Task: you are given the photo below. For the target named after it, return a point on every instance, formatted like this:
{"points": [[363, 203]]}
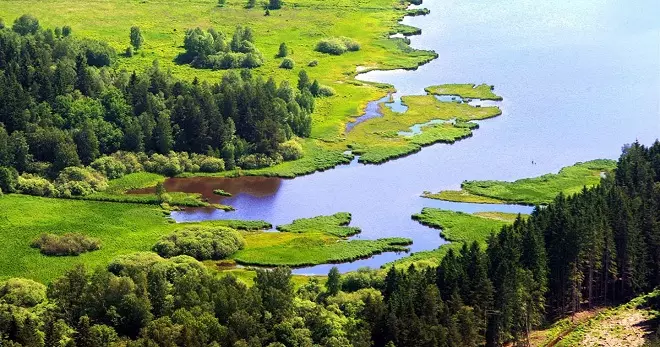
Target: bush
{"points": [[211, 164], [326, 91], [22, 292], [337, 46], [8, 179], [78, 181], [255, 161], [130, 161], [313, 63], [291, 150], [129, 51], [287, 63], [67, 244], [111, 167], [200, 243], [34, 185]]}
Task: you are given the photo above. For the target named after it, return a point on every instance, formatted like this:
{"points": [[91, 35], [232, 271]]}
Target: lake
{"points": [[579, 79]]}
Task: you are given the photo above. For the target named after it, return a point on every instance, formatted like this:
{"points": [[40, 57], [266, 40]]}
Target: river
{"points": [[579, 79]]}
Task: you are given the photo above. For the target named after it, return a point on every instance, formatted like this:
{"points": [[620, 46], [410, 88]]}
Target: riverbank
{"points": [[530, 191]]}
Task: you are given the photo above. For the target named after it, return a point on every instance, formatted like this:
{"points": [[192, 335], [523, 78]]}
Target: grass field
{"points": [[531, 191], [465, 91], [456, 227]]}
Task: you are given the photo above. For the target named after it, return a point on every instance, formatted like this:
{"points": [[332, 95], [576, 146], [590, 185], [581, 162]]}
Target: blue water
{"points": [[579, 79]]}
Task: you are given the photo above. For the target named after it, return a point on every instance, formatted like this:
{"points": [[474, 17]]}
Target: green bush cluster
{"points": [[67, 244], [291, 150], [22, 292], [35, 185], [80, 181], [201, 243], [337, 45], [258, 161], [287, 63], [212, 50]]}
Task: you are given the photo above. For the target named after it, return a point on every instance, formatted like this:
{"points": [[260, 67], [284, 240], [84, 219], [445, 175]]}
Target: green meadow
{"points": [[336, 224], [531, 191]]}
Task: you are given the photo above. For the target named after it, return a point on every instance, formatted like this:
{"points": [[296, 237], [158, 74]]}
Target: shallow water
{"points": [[562, 69]]}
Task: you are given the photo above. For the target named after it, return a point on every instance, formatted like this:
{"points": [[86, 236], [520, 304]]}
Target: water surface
{"points": [[579, 79]]}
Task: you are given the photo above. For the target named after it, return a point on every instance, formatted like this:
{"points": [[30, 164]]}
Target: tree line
{"points": [[63, 103]]}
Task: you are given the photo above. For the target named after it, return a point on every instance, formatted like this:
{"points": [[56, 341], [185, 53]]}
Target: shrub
{"points": [[22, 292], [111, 167], [130, 161], [129, 51], [67, 244], [337, 46], [313, 63], [331, 46], [78, 181], [326, 91], [211, 164], [291, 150], [133, 263], [287, 63], [255, 161], [34, 185], [200, 243]]}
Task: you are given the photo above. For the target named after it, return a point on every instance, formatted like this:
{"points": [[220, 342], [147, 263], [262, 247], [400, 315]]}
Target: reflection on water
{"points": [[561, 67]]}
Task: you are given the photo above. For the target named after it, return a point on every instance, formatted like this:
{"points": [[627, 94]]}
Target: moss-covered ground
{"points": [[530, 191]]}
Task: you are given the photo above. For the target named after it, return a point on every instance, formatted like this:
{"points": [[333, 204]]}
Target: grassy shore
{"points": [[379, 139], [291, 249], [465, 91], [530, 191], [457, 227], [335, 224]]}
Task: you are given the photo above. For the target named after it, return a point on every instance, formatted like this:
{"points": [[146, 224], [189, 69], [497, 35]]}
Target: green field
{"points": [[457, 227], [465, 91], [530, 191]]}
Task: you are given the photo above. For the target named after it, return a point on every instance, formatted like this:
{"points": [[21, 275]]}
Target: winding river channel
{"points": [[578, 78]]}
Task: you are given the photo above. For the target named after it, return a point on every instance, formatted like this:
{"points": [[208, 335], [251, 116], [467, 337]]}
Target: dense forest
{"points": [[64, 104], [597, 247]]}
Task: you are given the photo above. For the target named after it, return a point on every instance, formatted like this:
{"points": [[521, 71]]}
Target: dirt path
{"points": [[626, 329]]}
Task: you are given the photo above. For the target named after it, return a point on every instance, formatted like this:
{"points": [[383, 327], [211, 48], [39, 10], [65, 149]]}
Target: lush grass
{"points": [[537, 190], [465, 91], [461, 196], [335, 224], [121, 229], [135, 180], [457, 227], [291, 249], [378, 140], [246, 225]]}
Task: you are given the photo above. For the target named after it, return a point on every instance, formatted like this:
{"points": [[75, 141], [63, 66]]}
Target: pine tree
{"points": [[283, 51], [136, 37]]}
